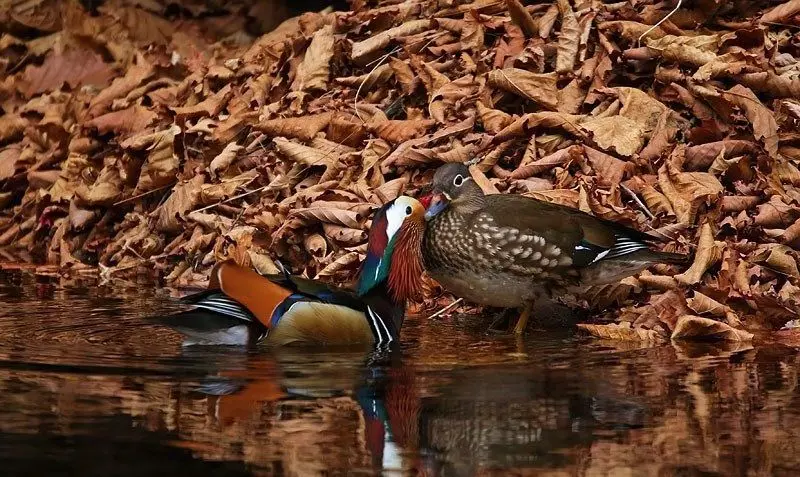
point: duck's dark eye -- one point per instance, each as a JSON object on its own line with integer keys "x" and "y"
{"x": 458, "y": 180}
{"x": 408, "y": 210}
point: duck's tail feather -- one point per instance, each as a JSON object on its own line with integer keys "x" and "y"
{"x": 614, "y": 269}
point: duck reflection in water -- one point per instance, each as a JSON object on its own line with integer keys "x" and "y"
{"x": 382, "y": 394}
{"x": 386, "y": 416}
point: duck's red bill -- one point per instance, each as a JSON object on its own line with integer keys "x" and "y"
{"x": 426, "y": 199}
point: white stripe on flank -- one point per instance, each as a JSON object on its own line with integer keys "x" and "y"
{"x": 375, "y": 317}
{"x": 371, "y": 316}
{"x": 389, "y": 338}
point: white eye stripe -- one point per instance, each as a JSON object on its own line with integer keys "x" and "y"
{"x": 459, "y": 180}
{"x": 394, "y": 218}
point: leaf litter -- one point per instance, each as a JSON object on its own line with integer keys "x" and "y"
{"x": 138, "y": 145}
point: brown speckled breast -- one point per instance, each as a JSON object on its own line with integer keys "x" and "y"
{"x": 474, "y": 258}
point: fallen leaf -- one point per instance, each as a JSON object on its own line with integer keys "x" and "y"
{"x": 75, "y": 67}
{"x": 690, "y": 327}
{"x": 314, "y": 71}
{"x": 623, "y": 332}
{"x": 304, "y": 127}
{"x": 539, "y": 88}
{"x": 568, "y": 38}
{"x": 224, "y": 159}
{"x": 616, "y": 133}
{"x": 708, "y": 253}
{"x": 124, "y": 122}
{"x": 765, "y": 128}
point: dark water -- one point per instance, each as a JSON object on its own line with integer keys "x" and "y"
{"x": 89, "y": 387}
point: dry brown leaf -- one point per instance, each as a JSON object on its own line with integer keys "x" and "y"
{"x": 209, "y": 107}
{"x": 686, "y": 191}
{"x": 106, "y": 189}
{"x": 631, "y": 30}
{"x": 316, "y": 245}
{"x": 539, "y": 88}
{"x": 262, "y": 263}
{"x": 374, "y": 43}
{"x": 559, "y": 158}
{"x": 568, "y": 38}
{"x": 137, "y": 74}
{"x": 703, "y": 304}
{"x": 779, "y": 258}
{"x": 303, "y": 127}
{"x": 314, "y": 71}
{"x": 703, "y": 155}
{"x": 305, "y": 154}
{"x": 690, "y": 327}
{"x": 368, "y": 81}
{"x": 765, "y": 128}
{"x": 493, "y": 120}
{"x": 74, "y": 67}
{"x": 623, "y": 332}
{"x": 609, "y": 169}
{"x": 184, "y": 197}
{"x": 616, "y": 133}
{"x": 162, "y": 164}
{"x": 708, "y": 253}
{"x": 547, "y": 119}
{"x": 781, "y": 12}
{"x": 224, "y": 159}
{"x": 522, "y": 17}
{"x": 776, "y": 213}
{"x": 397, "y": 131}
{"x": 344, "y": 235}
{"x": 656, "y": 201}
{"x": 347, "y": 260}
{"x": 347, "y": 218}
{"x": 124, "y": 122}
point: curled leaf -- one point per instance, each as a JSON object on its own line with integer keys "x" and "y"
{"x": 690, "y": 327}
{"x": 708, "y": 253}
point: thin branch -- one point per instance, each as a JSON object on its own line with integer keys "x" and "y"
{"x": 138, "y": 196}
{"x": 639, "y": 40}
{"x": 451, "y": 305}
{"x": 638, "y": 201}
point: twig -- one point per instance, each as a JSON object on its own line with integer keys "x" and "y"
{"x": 638, "y": 201}
{"x": 639, "y": 40}
{"x": 230, "y": 199}
{"x": 451, "y": 305}
{"x": 138, "y": 196}
{"x": 358, "y": 91}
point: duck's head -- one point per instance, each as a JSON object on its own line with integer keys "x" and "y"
{"x": 393, "y": 251}
{"x": 453, "y": 186}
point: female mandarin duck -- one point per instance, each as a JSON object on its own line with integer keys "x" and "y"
{"x": 242, "y": 307}
{"x": 508, "y": 250}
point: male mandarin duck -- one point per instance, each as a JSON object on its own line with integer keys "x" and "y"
{"x": 508, "y": 251}
{"x": 242, "y": 307}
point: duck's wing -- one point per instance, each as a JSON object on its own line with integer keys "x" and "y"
{"x": 540, "y": 235}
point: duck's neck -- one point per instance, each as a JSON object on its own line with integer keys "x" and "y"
{"x": 403, "y": 280}
{"x": 472, "y": 200}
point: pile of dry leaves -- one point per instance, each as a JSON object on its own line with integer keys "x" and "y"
{"x": 158, "y": 136}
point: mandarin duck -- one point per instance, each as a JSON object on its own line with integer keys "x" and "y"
{"x": 242, "y": 307}
{"x": 508, "y": 251}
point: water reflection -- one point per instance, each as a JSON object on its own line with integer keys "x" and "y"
{"x": 89, "y": 387}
